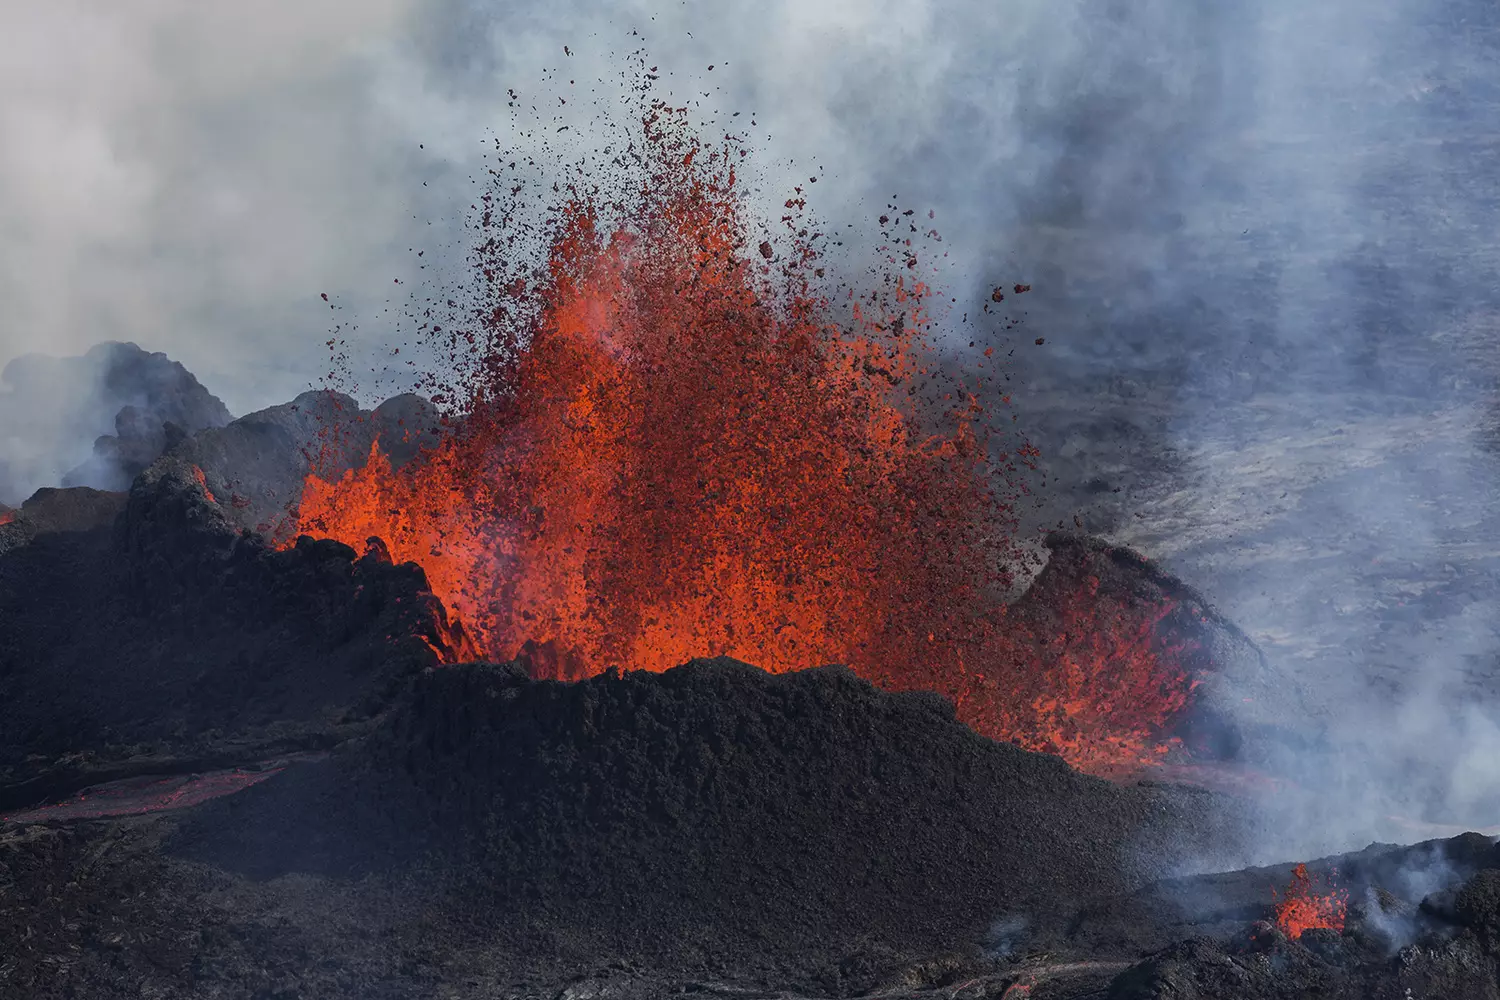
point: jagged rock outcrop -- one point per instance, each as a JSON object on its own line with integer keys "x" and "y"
{"x": 255, "y": 466}
{"x": 58, "y": 415}
{"x": 153, "y": 624}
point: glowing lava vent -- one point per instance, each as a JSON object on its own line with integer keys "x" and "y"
{"x": 671, "y": 440}
{"x": 1304, "y": 906}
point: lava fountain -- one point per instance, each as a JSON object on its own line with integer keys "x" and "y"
{"x": 1303, "y": 907}
{"x": 671, "y": 439}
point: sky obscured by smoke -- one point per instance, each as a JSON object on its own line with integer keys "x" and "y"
{"x": 192, "y": 176}
{"x": 1230, "y": 202}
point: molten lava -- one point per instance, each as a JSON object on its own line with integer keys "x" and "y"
{"x": 668, "y": 443}
{"x": 202, "y": 481}
{"x": 1303, "y": 907}
{"x": 1096, "y": 684}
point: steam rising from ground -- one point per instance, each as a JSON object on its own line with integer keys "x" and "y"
{"x": 1271, "y": 220}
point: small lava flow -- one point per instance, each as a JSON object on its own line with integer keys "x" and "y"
{"x": 674, "y": 439}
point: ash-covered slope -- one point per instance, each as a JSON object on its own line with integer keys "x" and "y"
{"x": 711, "y": 814}
{"x": 165, "y": 630}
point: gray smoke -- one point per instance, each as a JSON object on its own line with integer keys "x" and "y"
{"x": 95, "y": 420}
{"x": 191, "y": 176}
{"x": 1259, "y": 237}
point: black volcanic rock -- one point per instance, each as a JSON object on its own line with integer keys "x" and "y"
{"x": 167, "y": 630}
{"x": 711, "y": 813}
{"x": 255, "y": 466}
{"x": 1418, "y": 918}
{"x": 160, "y": 403}
{"x": 1348, "y": 965}
{"x": 1395, "y": 895}
{"x": 1477, "y": 904}
{"x": 78, "y": 509}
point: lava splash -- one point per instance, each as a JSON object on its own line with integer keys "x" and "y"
{"x": 672, "y": 440}
{"x": 1303, "y": 907}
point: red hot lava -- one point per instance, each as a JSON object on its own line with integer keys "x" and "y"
{"x": 1303, "y": 907}
{"x": 668, "y": 443}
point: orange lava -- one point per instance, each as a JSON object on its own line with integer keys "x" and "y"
{"x": 7, "y": 516}
{"x": 203, "y": 484}
{"x": 1097, "y": 686}
{"x": 1302, "y": 907}
{"x": 669, "y": 442}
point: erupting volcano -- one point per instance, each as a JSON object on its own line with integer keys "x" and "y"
{"x": 673, "y": 439}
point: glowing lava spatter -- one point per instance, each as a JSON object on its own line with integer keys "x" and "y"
{"x": 202, "y": 481}
{"x": 668, "y": 443}
{"x": 1303, "y": 907}
{"x": 676, "y": 459}
{"x": 1098, "y": 686}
